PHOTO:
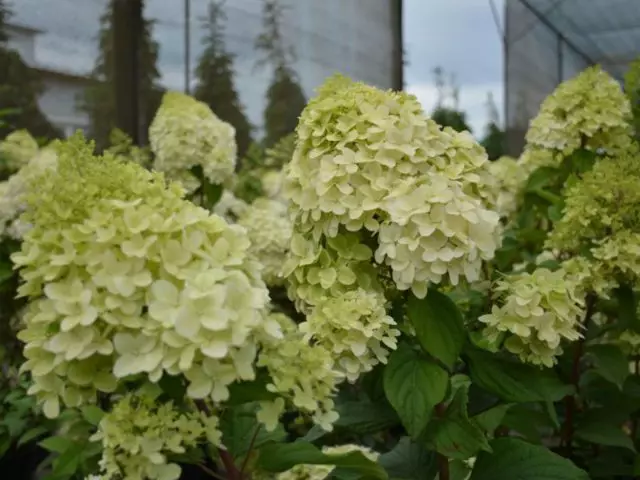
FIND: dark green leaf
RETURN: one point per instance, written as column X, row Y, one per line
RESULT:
column 459, row 470
column 439, row 326
column 603, row 430
column 490, row 419
column 239, row 425
column 173, row 387
column 610, row 363
column 515, row 382
column 365, row 417
column 514, row 459
column 414, row 386
column 454, row 435
column 279, row 457
column 627, row 308
column 32, row 434
column 56, row 444
column 541, row 178
column 409, row 461
column 313, row 434
column 212, row 193
column 253, row 391
column 528, row 422
column 92, row 414
column 68, row 462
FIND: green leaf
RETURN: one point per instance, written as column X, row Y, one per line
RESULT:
column 603, row 430
column 459, row 470
column 627, row 308
column 365, row 417
column 253, row 391
column 541, row 178
column 239, row 425
column 515, row 382
column 528, row 422
column 32, row 434
column 68, row 462
column 316, row 432
column 414, row 386
column 455, row 435
column 92, row 414
column 6, row 271
column 610, row 363
column 439, row 326
column 279, row 457
column 212, row 193
column 490, row 419
column 514, row 459
column 409, row 460
column 173, row 387
column 56, row 444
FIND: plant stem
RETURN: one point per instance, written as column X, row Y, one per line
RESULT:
column 570, row 400
column 251, row 445
column 443, row 462
column 232, row 471
column 210, row 472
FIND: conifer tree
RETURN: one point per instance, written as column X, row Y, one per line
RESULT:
column 20, row 87
column 285, row 97
column 98, row 100
column 215, row 74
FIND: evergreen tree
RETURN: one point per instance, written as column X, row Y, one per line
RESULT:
column 98, row 100
column 214, row 75
column 494, row 138
column 448, row 90
column 20, row 87
column 285, row 97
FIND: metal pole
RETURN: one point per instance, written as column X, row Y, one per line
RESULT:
column 560, row 60
column 187, row 46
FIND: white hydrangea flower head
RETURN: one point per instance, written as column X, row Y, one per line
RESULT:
column 272, row 183
column 533, row 158
column 361, row 156
column 185, row 133
column 302, row 372
column 17, row 149
column 139, row 434
column 510, row 176
column 321, row 472
column 12, row 192
column 230, row 207
column 588, row 111
column 125, row 277
column 355, row 328
column 269, row 230
column 536, row 311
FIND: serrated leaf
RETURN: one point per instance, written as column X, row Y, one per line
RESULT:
column 409, row 460
column 56, row 444
column 490, row 419
column 92, row 414
column 414, row 386
column 439, row 326
column 252, row 391
column 32, row 434
column 610, row 363
column 515, row 382
column 514, row 459
column 365, row 417
column 603, row 431
column 455, row 435
column 279, row 457
column 239, row 425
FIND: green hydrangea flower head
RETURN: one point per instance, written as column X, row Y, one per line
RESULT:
column 370, row 161
column 588, row 111
column 269, row 230
column 604, row 203
column 536, row 311
column 139, row 433
column 301, row 372
column 510, row 177
column 185, row 133
column 125, row 277
column 17, row 149
column 355, row 328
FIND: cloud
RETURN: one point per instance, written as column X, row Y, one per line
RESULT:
column 473, row 101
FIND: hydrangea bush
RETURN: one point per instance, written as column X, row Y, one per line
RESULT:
column 369, row 299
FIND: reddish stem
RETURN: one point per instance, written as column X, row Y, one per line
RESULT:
column 230, row 467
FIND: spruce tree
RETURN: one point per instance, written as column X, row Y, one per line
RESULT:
column 285, row 97
column 214, row 75
column 20, row 87
column 98, row 99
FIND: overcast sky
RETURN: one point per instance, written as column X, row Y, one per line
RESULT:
column 461, row 37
